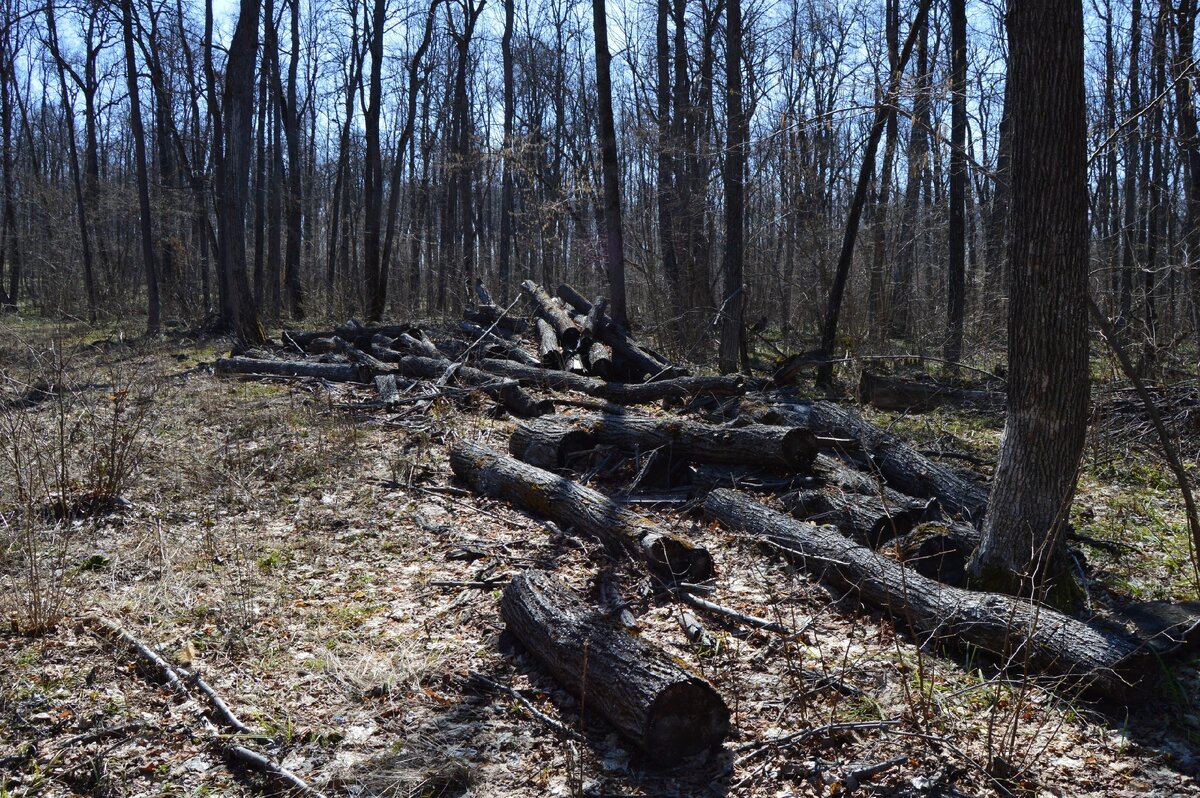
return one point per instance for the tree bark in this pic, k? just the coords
(665, 710)
(614, 242)
(1022, 547)
(579, 508)
(956, 289)
(1031, 636)
(733, 302)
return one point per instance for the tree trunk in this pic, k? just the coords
(887, 108)
(143, 177)
(642, 691)
(1022, 547)
(238, 310)
(581, 509)
(733, 301)
(956, 283)
(376, 277)
(614, 242)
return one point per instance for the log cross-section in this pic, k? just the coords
(578, 507)
(1021, 632)
(668, 712)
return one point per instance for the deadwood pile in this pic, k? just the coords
(852, 504)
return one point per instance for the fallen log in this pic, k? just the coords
(708, 477)
(577, 507)
(389, 392)
(900, 465)
(576, 300)
(487, 315)
(604, 329)
(666, 711)
(600, 360)
(679, 388)
(333, 372)
(872, 520)
(553, 314)
(549, 351)
(353, 331)
(760, 444)
(890, 393)
(548, 442)
(510, 351)
(507, 392)
(1017, 630)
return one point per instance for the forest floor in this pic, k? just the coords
(286, 547)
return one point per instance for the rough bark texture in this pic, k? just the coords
(1020, 632)
(580, 508)
(669, 713)
(901, 466)
(553, 313)
(548, 442)
(1048, 337)
(759, 444)
(549, 350)
(334, 372)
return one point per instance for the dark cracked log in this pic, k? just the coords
(900, 465)
(553, 313)
(578, 302)
(548, 442)
(334, 372)
(1017, 631)
(579, 508)
(889, 393)
(678, 389)
(507, 392)
(758, 444)
(666, 711)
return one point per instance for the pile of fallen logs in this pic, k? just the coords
(864, 510)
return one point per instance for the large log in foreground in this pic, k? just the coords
(548, 442)
(669, 713)
(575, 506)
(759, 444)
(901, 466)
(1018, 631)
(334, 372)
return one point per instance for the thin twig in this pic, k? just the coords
(515, 694)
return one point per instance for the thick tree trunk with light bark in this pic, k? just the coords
(1022, 548)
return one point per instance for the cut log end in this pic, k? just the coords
(677, 557)
(800, 447)
(688, 718)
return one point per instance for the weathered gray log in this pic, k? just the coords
(759, 444)
(666, 711)
(548, 442)
(358, 356)
(507, 392)
(553, 313)
(417, 345)
(509, 350)
(481, 291)
(600, 360)
(1017, 630)
(575, 365)
(334, 372)
(549, 350)
(576, 300)
(901, 466)
(352, 331)
(679, 388)
(890, 393)
(577, 507)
